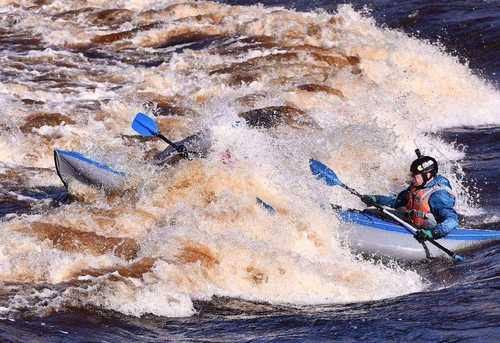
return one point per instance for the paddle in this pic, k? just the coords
(147, 127)
(330, 178)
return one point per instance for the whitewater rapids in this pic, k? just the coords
(346, 91)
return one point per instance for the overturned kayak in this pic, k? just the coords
(368, 233)
(72, 165)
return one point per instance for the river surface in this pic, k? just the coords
(184, 252)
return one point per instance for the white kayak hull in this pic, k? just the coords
(71, 165)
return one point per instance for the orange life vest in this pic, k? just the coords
(419, 208)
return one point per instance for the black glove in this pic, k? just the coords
(369, 200)
(423, 235)
(181, 149)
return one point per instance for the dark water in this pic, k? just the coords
(463, 303)
(482, 161)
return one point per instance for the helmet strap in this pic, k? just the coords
(426, 178)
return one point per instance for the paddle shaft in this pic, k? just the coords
(148, 127)
(180, 149)
(407, 226)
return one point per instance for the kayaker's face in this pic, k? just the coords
(417, 180)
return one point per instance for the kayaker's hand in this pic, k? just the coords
(369, 200)
(423, 235)
(183, 151)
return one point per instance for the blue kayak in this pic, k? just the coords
(368, 233)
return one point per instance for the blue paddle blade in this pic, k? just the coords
(321, 171)
(145, 125)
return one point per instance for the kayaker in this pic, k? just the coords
(428, 203)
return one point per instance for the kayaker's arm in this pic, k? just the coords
(442, 207)
(385, 200)
(402, 200)
(392, 201)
